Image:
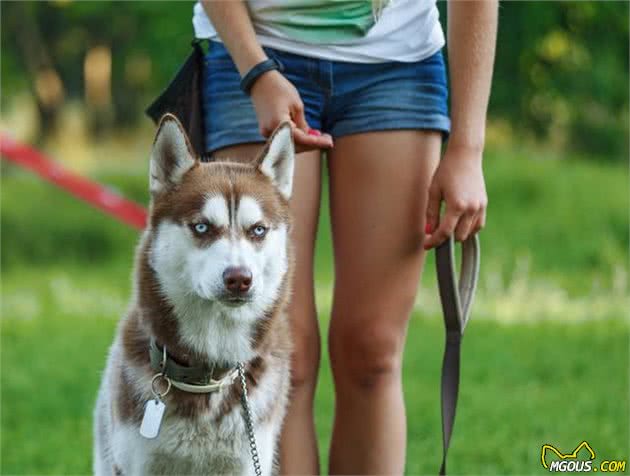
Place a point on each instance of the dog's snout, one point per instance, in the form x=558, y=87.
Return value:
x=237, y=279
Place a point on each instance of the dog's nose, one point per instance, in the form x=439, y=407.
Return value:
x=237, y=279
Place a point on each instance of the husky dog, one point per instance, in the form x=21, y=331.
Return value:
x=212, y=278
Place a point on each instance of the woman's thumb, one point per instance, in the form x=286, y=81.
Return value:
x=299, y=118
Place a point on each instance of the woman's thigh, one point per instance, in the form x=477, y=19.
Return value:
x=378, y=194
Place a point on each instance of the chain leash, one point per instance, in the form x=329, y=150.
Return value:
x=249, y=421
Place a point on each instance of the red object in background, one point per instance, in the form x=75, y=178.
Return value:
x=85, y=189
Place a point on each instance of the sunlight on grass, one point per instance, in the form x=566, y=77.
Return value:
x=529, y=298
x=63, y=290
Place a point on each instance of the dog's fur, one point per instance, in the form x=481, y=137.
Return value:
x=180, y=300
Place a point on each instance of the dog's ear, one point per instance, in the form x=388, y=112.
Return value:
x=277, y=159
x=172, y=155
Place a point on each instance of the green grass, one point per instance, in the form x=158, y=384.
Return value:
x=545, y=360
x=522, y=386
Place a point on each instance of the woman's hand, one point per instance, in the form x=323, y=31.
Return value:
x=276, y=100
x=458, y=181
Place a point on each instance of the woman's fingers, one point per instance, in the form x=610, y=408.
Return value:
x=304, y=137
x=305, y=141
x=297, y=114
x=464, y=226
x=479, y=222
x=445, y=228
x=462, y=222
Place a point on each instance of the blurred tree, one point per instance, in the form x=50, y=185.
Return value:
x=561, y=73
x=28, y=40
x=113, y=56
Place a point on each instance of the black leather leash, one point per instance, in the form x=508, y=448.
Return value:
x=456, y=297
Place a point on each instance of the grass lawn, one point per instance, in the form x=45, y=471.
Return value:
x=545, y=359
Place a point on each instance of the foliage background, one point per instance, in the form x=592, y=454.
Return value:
x=561, y=66
x=546, y=358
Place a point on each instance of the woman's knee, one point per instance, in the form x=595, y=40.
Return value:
x=366, y=350
x=305, y=357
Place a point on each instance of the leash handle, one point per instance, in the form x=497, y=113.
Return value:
x=456, y=296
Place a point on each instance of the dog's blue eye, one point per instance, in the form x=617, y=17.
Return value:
x=201, y=228
x=259, y=231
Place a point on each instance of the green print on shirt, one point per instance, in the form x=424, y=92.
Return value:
x=317, y=21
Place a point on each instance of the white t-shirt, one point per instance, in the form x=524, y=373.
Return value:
x=342, y=30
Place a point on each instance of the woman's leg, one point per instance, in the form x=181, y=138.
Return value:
x=378, y=193
x=298, y=446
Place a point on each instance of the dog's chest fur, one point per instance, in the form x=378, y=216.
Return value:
x=200, y=434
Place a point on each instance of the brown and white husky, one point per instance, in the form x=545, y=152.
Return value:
x=212, y=278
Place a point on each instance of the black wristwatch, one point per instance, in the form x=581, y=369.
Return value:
x=257, y=71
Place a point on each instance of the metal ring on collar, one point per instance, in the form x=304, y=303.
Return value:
x=155, y=392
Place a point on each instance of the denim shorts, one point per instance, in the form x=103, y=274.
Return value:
x=340, y=98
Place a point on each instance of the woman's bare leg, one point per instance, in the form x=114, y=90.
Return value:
x=298, y=445
x=378, y=193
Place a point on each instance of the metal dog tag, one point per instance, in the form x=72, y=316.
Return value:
x=152, y=419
